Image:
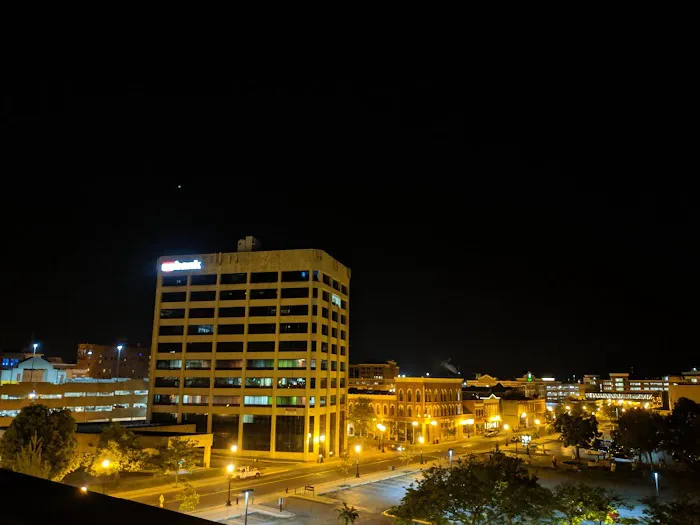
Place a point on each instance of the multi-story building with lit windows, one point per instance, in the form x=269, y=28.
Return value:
x=107, y=361
x=252, y=346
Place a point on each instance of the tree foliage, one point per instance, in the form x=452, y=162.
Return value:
x=577, y=430
x=673, y=513
x=576, y=503
x=188, y=498
x=181, y=454
x=347, y=515
x=406, y=455
x=361, y=415
x=56, y=431
x=29, y=460
x=121, y=447
x=682, y=436
x=640, y=431
x=497, y=491
x=345, y=463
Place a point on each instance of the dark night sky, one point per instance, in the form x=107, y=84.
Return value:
x=489, y=252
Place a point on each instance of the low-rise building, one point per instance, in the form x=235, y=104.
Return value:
x=35, y=380
x=373, y=376
x=108, y=361
x=481, y=413
x=522, y=412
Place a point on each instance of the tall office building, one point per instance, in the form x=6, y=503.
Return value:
x=253, y=347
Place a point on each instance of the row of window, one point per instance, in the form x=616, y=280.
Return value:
x=250, y=382
x=253, y=328
x=436, y=396
x=255, y=278
x=240, y=295
x=253, y=346
x=251, y=364
x=255, y=401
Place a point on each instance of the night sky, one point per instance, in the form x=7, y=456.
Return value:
x=489, y=252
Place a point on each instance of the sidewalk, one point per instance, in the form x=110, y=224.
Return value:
x=223, y=512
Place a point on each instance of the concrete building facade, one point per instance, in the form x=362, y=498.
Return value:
x=253, y=346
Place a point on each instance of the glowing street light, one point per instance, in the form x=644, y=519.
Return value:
x=83, y=489
x=506, y=426
x=568, y=408
x=35, y=346
x=421, y=440
x=537, y=422
x=229, y=468
x=119, y=357
x=358, y=449
x=381, y=429
x=105, y=465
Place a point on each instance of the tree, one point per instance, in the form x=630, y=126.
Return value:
x=682, y=436
x=497, y=491
x=674, y=513
x=361, y=415
x=179, y=454
x=189, y=499
x=406, y=455
x=640, y=431
x=30, y=462
x=121, y=447
x=577, y=503
x=347, y=515
x=577, y=430
x=56, y=431
x=345, y=464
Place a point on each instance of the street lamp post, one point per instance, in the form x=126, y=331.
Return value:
x=381, y=429
x=433, y=423
x=358, y=448
x=105, y=465
x=229, y=469
x=414, y=424
x=450, y=452
x=656, y=480
x=119, y=357
x=322, y=439
x=247, y=494
x=421, y=440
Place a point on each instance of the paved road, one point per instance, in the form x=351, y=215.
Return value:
x=214, y=495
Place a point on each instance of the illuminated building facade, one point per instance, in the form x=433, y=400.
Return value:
x=373, y=376
x=252, y=346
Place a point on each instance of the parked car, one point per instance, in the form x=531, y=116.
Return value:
x=491, y=432
x=246, y=472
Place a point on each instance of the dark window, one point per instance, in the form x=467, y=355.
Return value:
x=334, y=332
x=168, y=364
x=175, y=280
x=324, y=348
x=231, y=329
x=170, y=347
x=344, y=289
x=226, y=401
x=342, y=382
x=334, y=349
x=199, y=347
x=260, y=364
x=263, y=277
x=342, y=366
x=200, y=329
x=325, y=296
x=172, y=313
x=334, y=383
x=316, y=275
x=334, y=316
x=292, y=346
x=315, y=293
x=324, y=364
x=324, y=329
x=294, y=277
x=162, y=417
x=314, y=310
x=257, y=431
x=266, y=328
x=229, y=364
x=294, y=328
x=324, y=313
x=262, y=311
x=343, y=335
x=313, y=345
x=326, y=279
x=171, y=330
x=313, y=382
x=198, y=364
x=343, y=304
x=336, y=285
x=314, y=328
x=229, y=346
x=203, y=280
x=261, y=346
x=268, y=293
x=324, y=382
x=342, y=350
x=334, y=366
x=234, y=278
x=296, y=309
x=235, y=311
x=174, y=297
x=201, y=313
x=167, y=382
x=165, y=399
x=232, y=295
x=227, y=382
x=202, y=296
x=197, y=382
x=294, y=293
x=343, y=319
